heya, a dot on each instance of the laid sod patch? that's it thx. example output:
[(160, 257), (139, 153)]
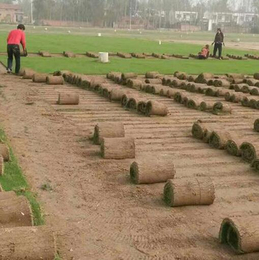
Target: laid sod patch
[(93, 67), (14, 180)]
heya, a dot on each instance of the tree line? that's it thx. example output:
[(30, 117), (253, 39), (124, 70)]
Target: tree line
[(108, 12)]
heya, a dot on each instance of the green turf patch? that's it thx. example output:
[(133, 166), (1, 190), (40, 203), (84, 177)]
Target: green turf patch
[(13, 179), (93, 67), (57, 40)]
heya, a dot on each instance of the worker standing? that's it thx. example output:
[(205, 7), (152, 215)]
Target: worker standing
[(15, 38), (218, 42)]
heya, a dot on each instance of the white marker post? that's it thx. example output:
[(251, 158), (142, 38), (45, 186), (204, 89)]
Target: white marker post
[(104, 57)]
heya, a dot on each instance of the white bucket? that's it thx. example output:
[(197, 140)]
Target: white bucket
[(159, 42), (99, 34), (104, 57)]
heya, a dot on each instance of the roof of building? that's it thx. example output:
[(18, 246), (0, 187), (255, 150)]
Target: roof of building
[(10, 7)]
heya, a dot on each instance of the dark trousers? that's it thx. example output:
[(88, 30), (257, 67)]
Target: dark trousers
[(217, 47), (201, 57), (13, 50)]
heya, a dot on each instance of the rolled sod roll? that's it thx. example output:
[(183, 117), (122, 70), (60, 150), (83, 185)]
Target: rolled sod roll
[(116, 94), (68, 99), (83, 81), (1, 165), (134, 101), (108, 130), (178, 83), (218, 139), (222, 83), (134, 83), (236, 97), (254, 91), (178, 97), (125, 98), (194, 103), (155, 89), (235, 75), (118, 148), (113, 75), (252, 102), (222, 92), (192, 78), (106, 89), (185, 98), (21, 72), (228, 96), (236, 80), (39, 78), (198, 129), (28, 74), (256, 76), (152, 170), (14, 211), (69, 54), (220, 108), (145, 88), (55, 80), (256, 125), (125, 76), (255, 164), (206, 106), (171, 93), (204, 77), (211, 82), (189, 191), (142, 107), (249, 151), (5, 152), (233, 146), (152, 75), (240, 233), (30, 243), (211, 91), (251, 82), (245, 89), (238, 87), (164, 90), (45, 54), (167, 80), (154, 81), (182, 75), (207, 134), (124, 55), (156, 108)]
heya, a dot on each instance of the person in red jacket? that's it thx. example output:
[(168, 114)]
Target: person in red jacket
[(15, 38), (205, 52)]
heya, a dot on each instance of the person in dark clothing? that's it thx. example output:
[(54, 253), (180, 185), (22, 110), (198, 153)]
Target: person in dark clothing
[(15, 38), (218, 42)]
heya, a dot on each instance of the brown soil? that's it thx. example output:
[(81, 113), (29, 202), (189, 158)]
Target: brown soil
[(95, 210), (246, 46)]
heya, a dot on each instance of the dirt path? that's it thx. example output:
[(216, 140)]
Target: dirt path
[(246, 46), (94, 209)]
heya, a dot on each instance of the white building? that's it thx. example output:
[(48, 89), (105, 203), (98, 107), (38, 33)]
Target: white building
[(219, 18), (183, 16)]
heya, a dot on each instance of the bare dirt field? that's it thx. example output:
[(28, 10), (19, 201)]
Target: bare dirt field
[(247, 46), (94, 209)]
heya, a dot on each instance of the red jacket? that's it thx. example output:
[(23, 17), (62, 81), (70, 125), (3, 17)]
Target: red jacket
[(205, 52), (17, 37)]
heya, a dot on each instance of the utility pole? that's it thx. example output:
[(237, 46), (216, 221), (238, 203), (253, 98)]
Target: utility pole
[(130, 14), (31, 11), (160, 15)]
